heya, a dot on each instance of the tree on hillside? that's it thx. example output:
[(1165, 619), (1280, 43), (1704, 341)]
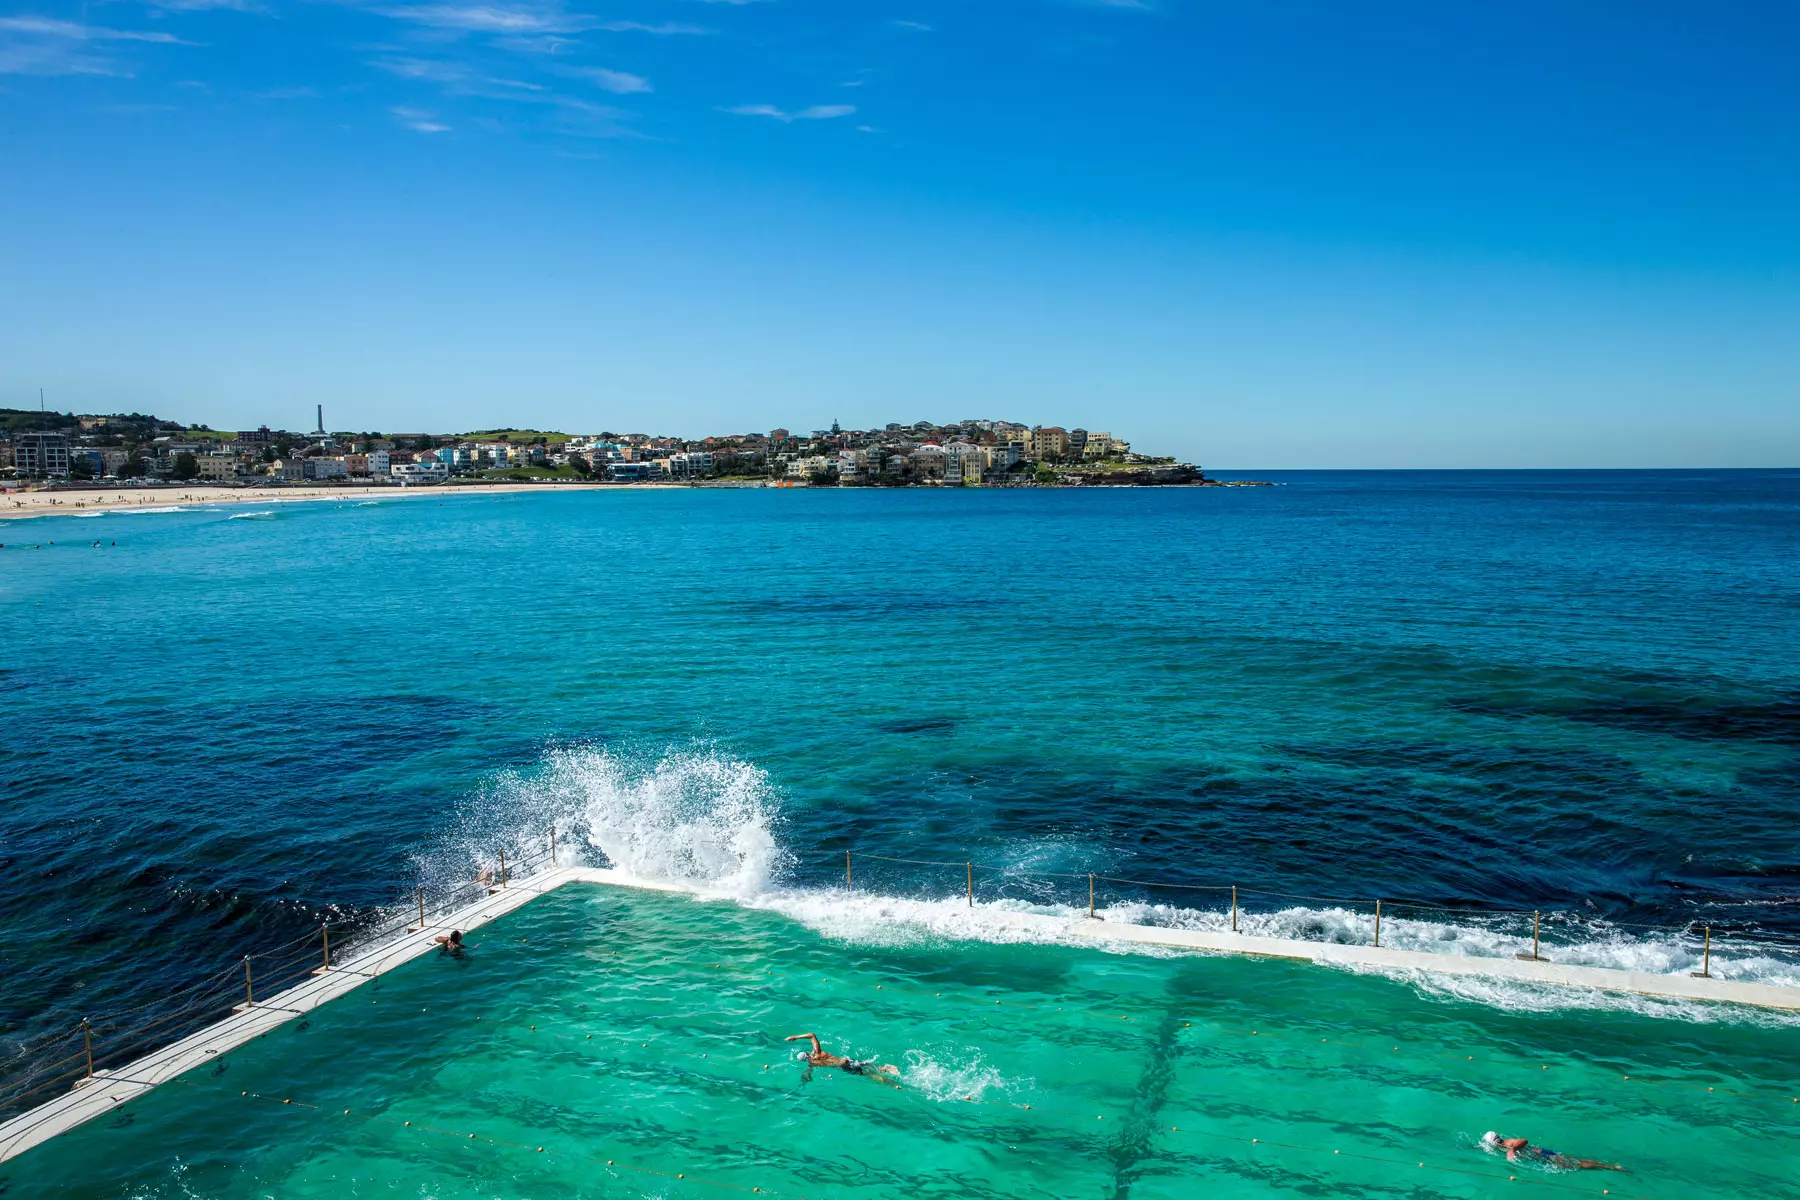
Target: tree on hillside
[(186, 465)]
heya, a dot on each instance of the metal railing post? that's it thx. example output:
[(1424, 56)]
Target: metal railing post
[(87, 1041), (1536, 917), (249, 996), (325, 936), (1234, 908), (1090, 897), (1378, 924), (1705, 971), (971, 869), (553, 845)]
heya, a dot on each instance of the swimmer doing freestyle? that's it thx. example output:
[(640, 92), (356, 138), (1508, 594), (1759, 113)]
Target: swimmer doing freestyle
[(1517, 1147), (866, 1067)]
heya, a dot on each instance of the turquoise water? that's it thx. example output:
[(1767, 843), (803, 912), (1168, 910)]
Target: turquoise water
[(647, 1030), (1490, 693)]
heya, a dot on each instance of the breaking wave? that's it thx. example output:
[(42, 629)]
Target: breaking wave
[(708, 823)]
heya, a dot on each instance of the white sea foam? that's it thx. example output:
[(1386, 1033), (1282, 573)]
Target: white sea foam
[(260, 514), (956, 1075), (161, 508), (708, 823)]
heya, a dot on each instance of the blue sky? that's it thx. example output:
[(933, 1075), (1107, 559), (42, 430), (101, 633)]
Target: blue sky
[(1253, 233)]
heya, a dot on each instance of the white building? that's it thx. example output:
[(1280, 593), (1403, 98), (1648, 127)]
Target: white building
[(325, 468), (420, 472), (378, 462), (690, 464)]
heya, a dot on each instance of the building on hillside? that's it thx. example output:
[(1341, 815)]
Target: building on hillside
[(1049, 442), (42, 455), (325, 468), (215, 467), (964, 463), (1098, 445), (424, 470), (690, 464)]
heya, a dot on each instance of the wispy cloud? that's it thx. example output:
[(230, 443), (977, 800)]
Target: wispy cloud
[(487, 18), (661, 28), (285, 93), (202, 5), (49, 27), (818, 112), (618, 82), (418, 120), (914, 26), (48, 46)]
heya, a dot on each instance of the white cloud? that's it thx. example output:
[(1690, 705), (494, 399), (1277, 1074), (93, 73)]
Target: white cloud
[(915, 26), (200, 5), (661, 28), (287, 93), (418, 120), (818, 112), (424, 68), (487, 18), (48, 27), (618, 82), (47, 46)]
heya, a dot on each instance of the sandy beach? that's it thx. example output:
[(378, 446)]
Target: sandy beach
[(69, 500)]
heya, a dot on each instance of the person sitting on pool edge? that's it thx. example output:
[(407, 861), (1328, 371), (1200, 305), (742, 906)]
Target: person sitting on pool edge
[(1517, 1146), (452, 944), (866, 1067)]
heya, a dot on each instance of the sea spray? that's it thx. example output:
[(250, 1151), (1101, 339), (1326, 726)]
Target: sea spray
[(689, 816), (707, 822)]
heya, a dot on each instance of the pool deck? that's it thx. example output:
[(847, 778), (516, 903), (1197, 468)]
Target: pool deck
[(109, 1089)]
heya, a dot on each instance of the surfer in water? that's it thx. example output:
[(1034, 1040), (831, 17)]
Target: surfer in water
[(867, 1067), (1519, 1147)]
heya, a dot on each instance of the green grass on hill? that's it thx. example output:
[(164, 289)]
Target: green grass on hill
[(519, 437)]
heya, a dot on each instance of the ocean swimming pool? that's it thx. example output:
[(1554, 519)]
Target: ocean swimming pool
[(644, 1030)]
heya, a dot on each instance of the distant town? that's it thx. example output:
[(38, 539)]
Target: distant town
[(51, 449)]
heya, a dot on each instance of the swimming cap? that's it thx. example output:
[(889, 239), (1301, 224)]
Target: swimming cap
[(1489, 1138)]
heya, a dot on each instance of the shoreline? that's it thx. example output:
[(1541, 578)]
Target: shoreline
[(69, 501), (66, 501)]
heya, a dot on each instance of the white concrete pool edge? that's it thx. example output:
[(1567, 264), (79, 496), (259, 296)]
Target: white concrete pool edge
[(109, 1089)]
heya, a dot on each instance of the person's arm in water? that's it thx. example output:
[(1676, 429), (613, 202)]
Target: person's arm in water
[(812, 1037), (1513, 1146)]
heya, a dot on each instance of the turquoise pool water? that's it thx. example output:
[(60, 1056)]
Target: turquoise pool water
[(645, 1031)]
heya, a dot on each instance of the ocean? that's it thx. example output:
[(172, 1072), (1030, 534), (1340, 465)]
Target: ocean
[(1480, 694)]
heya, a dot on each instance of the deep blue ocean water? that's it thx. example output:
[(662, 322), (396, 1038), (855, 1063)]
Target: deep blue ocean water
[(1570, 691)]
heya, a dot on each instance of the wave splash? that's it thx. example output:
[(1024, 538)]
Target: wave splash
[(707, 823)]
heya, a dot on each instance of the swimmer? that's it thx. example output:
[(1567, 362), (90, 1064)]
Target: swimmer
[(866, 1067), (452, 944), (1515, 1147)]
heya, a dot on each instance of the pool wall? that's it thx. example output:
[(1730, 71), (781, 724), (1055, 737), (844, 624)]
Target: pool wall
[(106, 1090)]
